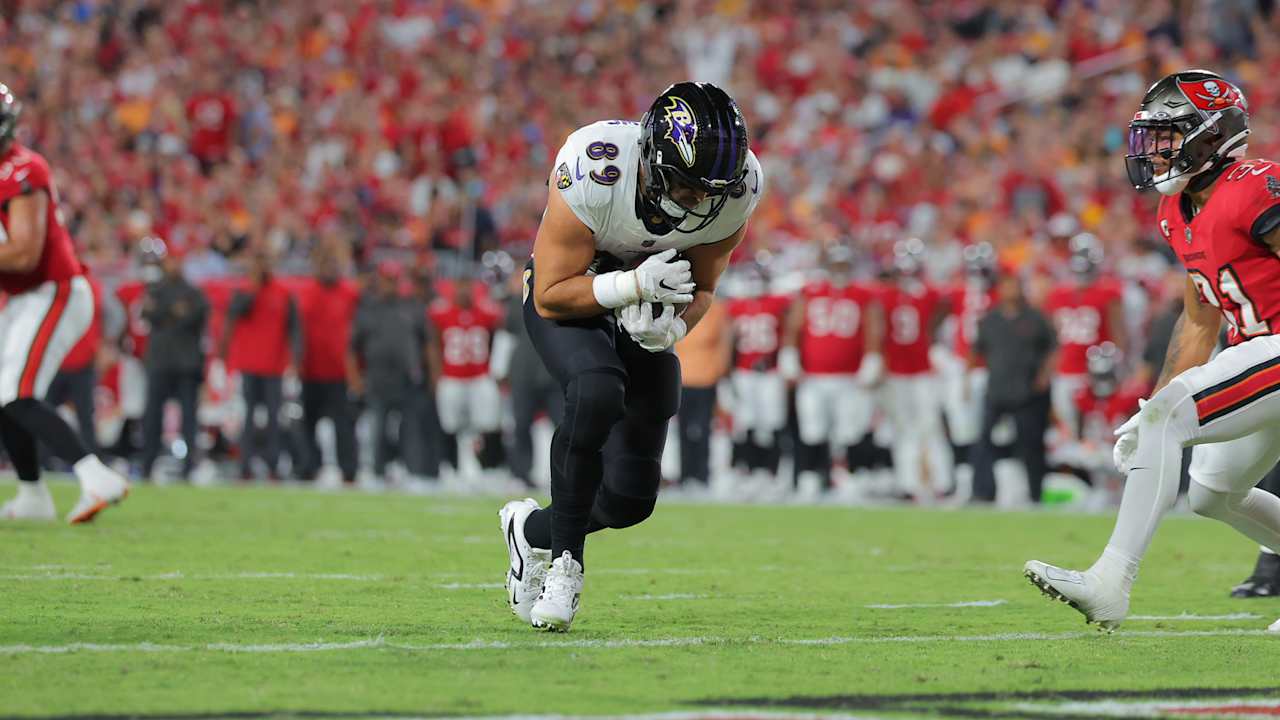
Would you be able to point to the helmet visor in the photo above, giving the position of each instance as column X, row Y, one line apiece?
column 1149, row 144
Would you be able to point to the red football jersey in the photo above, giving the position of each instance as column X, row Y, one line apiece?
column 971, row 301
column 757, row 330
column 1080, row 315
column 465, row 337
column 907, row 315
column 23, row 171
column 832, row 339
column 1233, row 272
column 136, row 330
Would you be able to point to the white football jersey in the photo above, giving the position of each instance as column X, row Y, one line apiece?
column 597, row 172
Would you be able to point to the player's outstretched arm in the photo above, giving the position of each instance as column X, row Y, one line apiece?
column 1194, row 336
column 28, row 223
column 707, row 264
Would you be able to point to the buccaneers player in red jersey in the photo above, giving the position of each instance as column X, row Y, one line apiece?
column 50, row 306
column 831, row 343
column 1221, row 215
column 1086, row 312
column 759, row 390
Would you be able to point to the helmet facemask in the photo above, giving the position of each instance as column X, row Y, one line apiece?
column 659, row 179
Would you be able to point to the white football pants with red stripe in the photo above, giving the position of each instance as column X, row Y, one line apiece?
column 1229, row 410
column 37, row 330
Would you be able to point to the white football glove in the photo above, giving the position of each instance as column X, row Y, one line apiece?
column 1127, row 441
column 654, row 334
column 657, row 279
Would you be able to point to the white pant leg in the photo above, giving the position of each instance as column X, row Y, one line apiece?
column 900, row 404
column 964, row 411
column 771, row 407
column 812, row 410
column 1233, row 396
column 937, row 450
column 451, row 404
column 744, row 405
column 1062, row 396
column 853, row 408
column 485, row 403
column 40, row 327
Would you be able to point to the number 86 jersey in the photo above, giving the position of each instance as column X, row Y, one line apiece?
column 1222, row 247
column 597, row 174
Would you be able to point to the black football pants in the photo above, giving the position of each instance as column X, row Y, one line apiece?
column 606, row 453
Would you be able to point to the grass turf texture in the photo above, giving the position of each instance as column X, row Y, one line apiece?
column 268, row 569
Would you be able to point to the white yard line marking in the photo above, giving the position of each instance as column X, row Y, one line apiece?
column 178, row 575
column 968, row 604
column 470, row 586
column 668, row 596
column 1189, row 617
column 620, row 643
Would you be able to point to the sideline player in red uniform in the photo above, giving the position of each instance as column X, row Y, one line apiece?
column 50, row 307
column 759, row 405
column 1087, row 312
column 1221, row 216
column 912, row 395
column 467, row 397
column 832, row 345
column 975, row 295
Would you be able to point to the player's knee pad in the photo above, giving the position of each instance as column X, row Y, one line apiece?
column 594, row 402
column 1213, row 503
column 616, row 510
column 1170, row 415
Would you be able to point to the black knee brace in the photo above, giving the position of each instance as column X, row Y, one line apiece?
column 615, row 510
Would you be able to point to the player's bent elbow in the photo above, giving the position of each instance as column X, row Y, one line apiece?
column 548, row 312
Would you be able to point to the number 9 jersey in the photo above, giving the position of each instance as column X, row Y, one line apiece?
column 1222, row 246
column 597, row 174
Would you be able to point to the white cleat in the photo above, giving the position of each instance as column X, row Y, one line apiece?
column 1275, row 627
column 33, row 502
column 1101, row 605
column 528, row 564
column 100, row 486
column 561, row 591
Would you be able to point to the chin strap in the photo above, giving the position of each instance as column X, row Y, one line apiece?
column 1205, row 179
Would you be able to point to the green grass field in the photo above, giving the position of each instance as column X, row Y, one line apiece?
column 285, row 601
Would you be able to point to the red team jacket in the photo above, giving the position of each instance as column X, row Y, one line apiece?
column 757, row 330
column 23, row 171
column 326, row 313
column 832, row 340
column 260, row 341
column 906, row 338
column 465, row 337
column 1233, row 271
column 1080, row 315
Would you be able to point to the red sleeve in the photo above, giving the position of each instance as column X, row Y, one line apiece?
column 33, row 175
column 1255, row 186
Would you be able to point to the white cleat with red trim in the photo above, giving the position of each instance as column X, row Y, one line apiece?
column 100, row 486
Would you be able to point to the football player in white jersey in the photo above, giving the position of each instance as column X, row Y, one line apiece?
column 641, row 219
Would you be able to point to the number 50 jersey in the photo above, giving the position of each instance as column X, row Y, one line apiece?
column 1222, row 250
column 597, row 174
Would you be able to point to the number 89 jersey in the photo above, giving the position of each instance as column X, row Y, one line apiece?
column 1222, row 249
column 597, row 174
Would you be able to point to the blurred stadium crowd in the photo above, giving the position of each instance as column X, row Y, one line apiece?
column 404, row 144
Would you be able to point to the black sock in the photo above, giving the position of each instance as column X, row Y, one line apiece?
column 537, row 528
column 740, row 455
column 491, row 450
column 20, row 445
column 450, row 454
column 42, row 421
